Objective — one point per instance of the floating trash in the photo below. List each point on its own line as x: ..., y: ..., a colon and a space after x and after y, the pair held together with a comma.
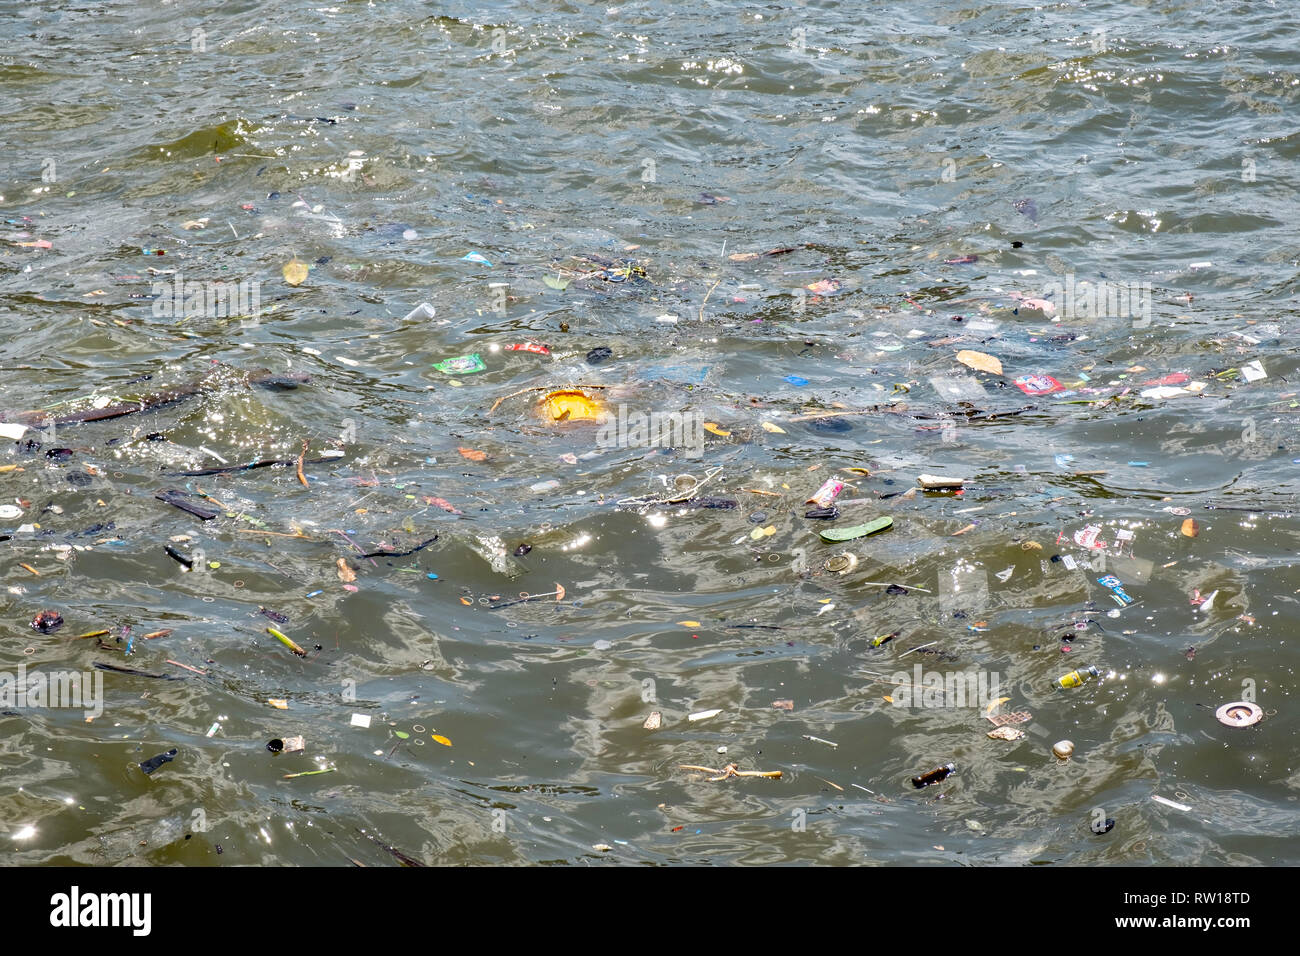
x: 1240, y: 713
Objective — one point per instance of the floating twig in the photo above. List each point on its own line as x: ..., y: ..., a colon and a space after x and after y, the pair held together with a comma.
x: 308, y: 773
x: 730, y: 770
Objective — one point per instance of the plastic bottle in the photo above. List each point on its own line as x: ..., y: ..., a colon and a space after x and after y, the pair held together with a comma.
x: 1077, y: 678
x: 934, y: 776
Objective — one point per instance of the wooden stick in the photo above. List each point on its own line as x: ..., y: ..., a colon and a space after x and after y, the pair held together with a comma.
x: 301, y: 477
x: 706, y: 299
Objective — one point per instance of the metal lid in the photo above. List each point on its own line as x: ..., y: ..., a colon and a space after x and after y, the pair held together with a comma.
x: 842, y: 563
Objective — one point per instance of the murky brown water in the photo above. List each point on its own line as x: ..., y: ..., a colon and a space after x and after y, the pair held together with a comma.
x: 379, y: 146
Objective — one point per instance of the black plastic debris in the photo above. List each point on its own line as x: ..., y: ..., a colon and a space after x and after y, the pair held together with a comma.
x: 522, y: 549
x: 191, y: 504
x: 599, y: 354
x: 704, y: 501
x: 832, y: 425
x: 47, y: 622
x: 176, y: 555
x: 153, y: 763
x: 824, y: 513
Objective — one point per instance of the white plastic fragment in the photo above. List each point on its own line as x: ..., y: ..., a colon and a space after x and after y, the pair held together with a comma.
x: 422, y: 311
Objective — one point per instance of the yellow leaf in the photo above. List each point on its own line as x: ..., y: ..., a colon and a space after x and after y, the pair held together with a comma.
x: 1190, y: 528
x: 294, y: 271
x: 776, y: 429
x: 980, y: 361
x: 689, y: 623
x: 279, y: 703
x: 441, y: 739
x: 993, y: 705
x: 888, y: 698
x: 711, y: 427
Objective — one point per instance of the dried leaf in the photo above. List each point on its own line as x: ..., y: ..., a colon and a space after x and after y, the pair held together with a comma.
x: 654, y: 721
x: 1190, y: 528
x: 980, y: 361
x: 473, y: 454
x: 783, y: 704
x: 295, y: 272
x: 775, y: 429
x: 346, y: 574
x: 279, y: 703
x: 556, y: 282
x: 559, y: 593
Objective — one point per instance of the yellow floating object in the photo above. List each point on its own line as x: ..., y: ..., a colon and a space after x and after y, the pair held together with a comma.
x: 570, y: 407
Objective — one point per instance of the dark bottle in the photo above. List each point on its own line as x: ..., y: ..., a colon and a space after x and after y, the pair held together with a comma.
x: 934, y: 776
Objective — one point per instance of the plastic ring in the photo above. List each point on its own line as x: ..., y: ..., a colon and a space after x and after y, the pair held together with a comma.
x: 482, y: 600
x: 118, y: 474
x: 208, y: 600
x: 523, y: 594
x: 239, y: 584
x: 419, y: 741
x: 544, y: 526
x: 774, y: 557
x: 418, y: 728
x: 1181, y: 795
x: 29, y: 650
x: 511, y: 624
